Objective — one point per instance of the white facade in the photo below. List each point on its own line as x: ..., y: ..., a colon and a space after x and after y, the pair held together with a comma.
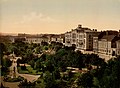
x: 81, y: 37
x: 95, y: 44
x: 104, y: 47
x: 58, y: 38
x: 36, y: 39
x: 68, y: 39
x: 109, y: 45
x: 118, y: 47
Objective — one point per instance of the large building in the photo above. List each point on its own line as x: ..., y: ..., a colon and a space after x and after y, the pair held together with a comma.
x: 58, y: 38
x: 36, y: 39
x: 107, y: 42
x: 118, y: 47
x: 81, y: 37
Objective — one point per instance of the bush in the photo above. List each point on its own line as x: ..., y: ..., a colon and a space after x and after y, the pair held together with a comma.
x: 45, y: 47
x: 26, y: 84
x: 9, y: 79
x: 23, y: 67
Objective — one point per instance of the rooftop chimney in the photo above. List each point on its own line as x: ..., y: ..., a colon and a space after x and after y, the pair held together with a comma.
x: 79, y: 26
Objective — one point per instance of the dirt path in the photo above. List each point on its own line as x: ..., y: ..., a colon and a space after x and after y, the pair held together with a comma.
x: 9, y: 84
x: 30, y: 77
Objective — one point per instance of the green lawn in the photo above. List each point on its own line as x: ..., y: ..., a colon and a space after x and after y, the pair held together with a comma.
x: 29, y: 70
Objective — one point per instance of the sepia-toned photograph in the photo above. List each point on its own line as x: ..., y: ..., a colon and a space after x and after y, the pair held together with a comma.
x: 59, y: 43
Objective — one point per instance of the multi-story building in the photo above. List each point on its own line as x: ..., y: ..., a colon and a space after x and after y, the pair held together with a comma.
x: 57, y: 38
x: 81, y: 37
x: 61, y: 39
x: 95, y: 44
x: 118, y: 47
x: 105, y: 43
x: 45, y: 38
x: 36, y: 39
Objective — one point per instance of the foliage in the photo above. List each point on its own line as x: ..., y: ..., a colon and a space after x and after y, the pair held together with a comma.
x: 23, y: 67
x: 44, y: 43
x: 9, y: 79
x: 32, y: 63
x: 29, y: 70
x: 86, y: 80
x: 26, y: 84
x: 4, y: 61
x: 52, y: 66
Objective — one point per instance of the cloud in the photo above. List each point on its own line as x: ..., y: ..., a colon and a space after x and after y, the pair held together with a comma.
x: 34, y: 16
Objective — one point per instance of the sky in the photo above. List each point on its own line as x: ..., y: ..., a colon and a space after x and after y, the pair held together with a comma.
x: 58, y: 16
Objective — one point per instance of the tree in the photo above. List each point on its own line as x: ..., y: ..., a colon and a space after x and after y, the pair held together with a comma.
x: 44, y: 43
x: 49, y: 80
x: 32, y: 63
x: 73, y: 47
x: 56, y: 73
x: 38, y: 50
x: 49, y: 66
x: 86, y: 80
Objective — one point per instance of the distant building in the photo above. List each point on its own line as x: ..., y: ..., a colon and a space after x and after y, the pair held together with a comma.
x: 118, y: 47
x: 45, y: 38
x: 36, y: 39
x: 95, y: 44
x: 106, y: 43
x: 57, y: 38
x: 11, y: 39
x: 81, y: 37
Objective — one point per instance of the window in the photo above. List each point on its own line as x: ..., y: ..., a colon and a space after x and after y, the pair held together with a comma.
x: 80, y: 36
x: 73, y: 40
x: 89, y: 36
x: 73, y: 35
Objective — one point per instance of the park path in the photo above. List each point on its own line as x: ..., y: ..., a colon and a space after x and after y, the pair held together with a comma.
x: 14, y: 72
x: 26, y: 76
x: 29, y: 77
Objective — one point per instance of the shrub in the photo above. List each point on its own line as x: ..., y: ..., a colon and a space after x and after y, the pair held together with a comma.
x: 9, y: 79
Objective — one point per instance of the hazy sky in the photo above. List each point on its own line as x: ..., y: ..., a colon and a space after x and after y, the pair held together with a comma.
x: 58, y: 16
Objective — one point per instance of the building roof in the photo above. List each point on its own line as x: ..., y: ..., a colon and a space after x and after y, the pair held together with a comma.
x: 108, y: 32
x: 36, y: 37
x: 108, y: 37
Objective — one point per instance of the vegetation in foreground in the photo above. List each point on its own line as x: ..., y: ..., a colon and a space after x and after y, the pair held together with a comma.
x: 9, y: 79
x: 53, y: 66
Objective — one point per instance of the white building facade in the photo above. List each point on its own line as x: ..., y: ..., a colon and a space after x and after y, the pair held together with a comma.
x: 118, y: 47
x: 81, y: 37
x: 36, y: 40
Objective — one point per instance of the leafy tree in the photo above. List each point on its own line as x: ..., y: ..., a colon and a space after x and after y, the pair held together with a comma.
x: 73, y: 47
x: 56, y: 73
x: 49, y: 80
x: 49, y: 66
x: 38, y: 50
x: 32, y: 63
x: 6, y: 62
x: 44, y: 43
x: 46, y: 47
x: 37, y: 65
x: 86, y: 80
